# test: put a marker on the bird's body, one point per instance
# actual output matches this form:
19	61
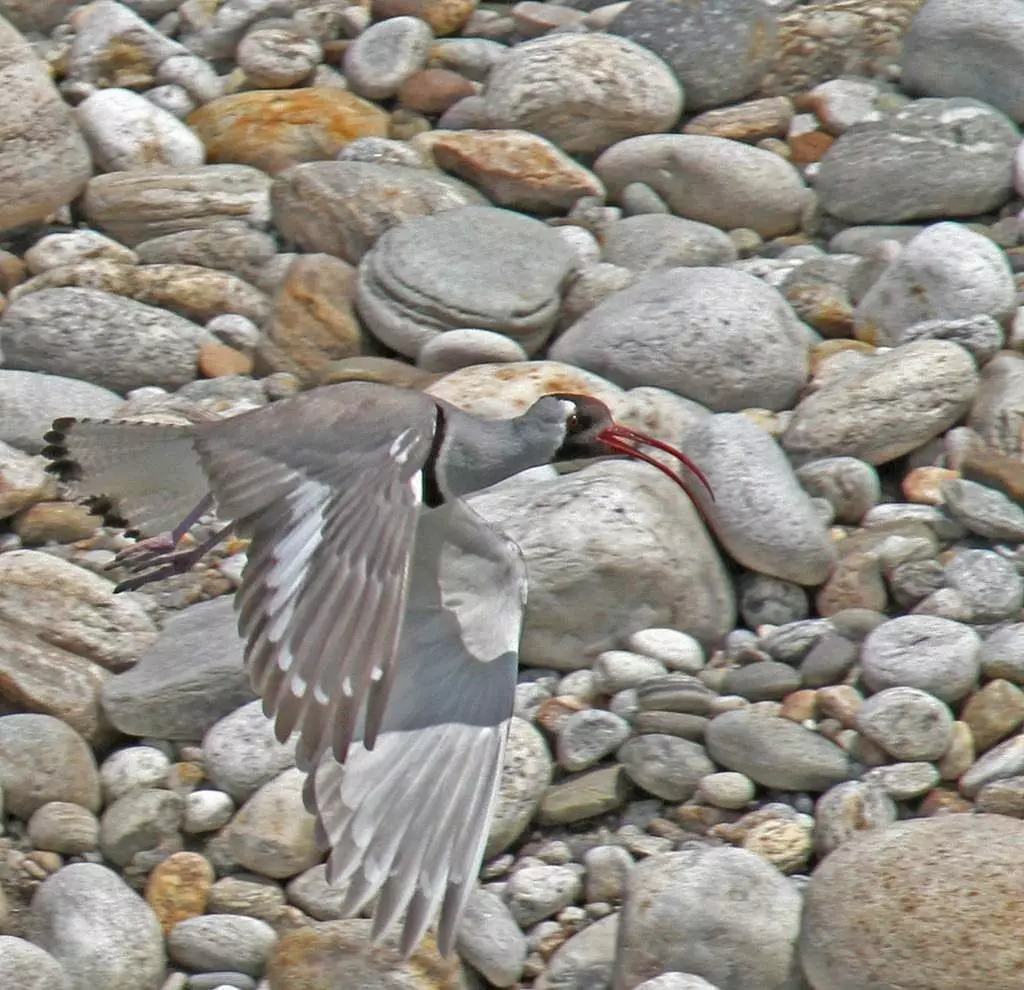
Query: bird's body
381	615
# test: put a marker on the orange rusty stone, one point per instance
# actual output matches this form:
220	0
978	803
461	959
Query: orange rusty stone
924	484
553	713
216	359
809	147
799	706
178	888
432	91
273	129
820	353
750	122
443	16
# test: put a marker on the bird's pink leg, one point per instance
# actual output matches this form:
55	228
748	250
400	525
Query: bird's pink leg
154	547
168	564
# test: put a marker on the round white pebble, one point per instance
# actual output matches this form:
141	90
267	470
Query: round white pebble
676	650
729	790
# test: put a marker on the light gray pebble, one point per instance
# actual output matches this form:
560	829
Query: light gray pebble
727	789
775	752
846	810
676	693
524	780
607	871
385	55
217	981
850	485
102	932
616	670
222	942
904	781
538	892
907	723
193	74
490	940
676	981
277	57
132	768
914	581
588	736
172	99
463	347
935	517
677	650
140	821
983	510
528	699
64	828
885	406
624	703
760	513
670	724
653	242
935	655
311	893
981	335
997	416
768	680
1002	653
791	642
241	753
767	600
639	199
24	966
1003	760
207	811
584	961
666	766
991	586
580	684
236	331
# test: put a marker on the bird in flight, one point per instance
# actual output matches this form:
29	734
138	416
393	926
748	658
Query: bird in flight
380	614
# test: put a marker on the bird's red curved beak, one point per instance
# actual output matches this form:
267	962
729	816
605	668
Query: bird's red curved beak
622	439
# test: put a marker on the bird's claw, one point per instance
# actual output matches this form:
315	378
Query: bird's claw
143	553
166	565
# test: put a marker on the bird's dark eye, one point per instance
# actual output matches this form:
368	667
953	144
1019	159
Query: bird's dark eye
574	424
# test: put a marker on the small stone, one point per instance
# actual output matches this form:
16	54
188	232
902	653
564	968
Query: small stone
993	712
490	940
907	723
768	680
222	942
1002	797
433	91
216	360
676	650
385	55
850	485
1005	759
984	511
846	810
586	795
132	768
617	670
666	766
179	888
904	781
1002	654
607	871
787	845
538	892
64	828
255	897
138	822
728	789
959	757
277	58
588	736
207	811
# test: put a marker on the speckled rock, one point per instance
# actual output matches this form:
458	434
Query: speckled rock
524	777
24	966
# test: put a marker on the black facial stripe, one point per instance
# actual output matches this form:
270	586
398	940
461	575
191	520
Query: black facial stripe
432	496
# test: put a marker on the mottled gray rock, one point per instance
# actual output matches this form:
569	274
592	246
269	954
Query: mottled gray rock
109	340
768	680
467	347
930	158
679	902
99	929
846	810
589	736
647	561
584	795
653	242
857	928
948	51
206	811
909	724
608	868
44	162
385	55
524	778
675	649
997	415
947	272
719	50
343	207
583	92
620	670
760	513
983	510
44	760
851	486
766	600
775	752
981	335
66	828
140	821
241	752
228	245
720	337
1002	653
714	180
131	768
904	781
585	961
24	966
936	655
490	940
476	266
534	893
666	766
828	661
999	763
886	406
990	586
221	942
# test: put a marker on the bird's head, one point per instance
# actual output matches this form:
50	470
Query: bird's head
591	431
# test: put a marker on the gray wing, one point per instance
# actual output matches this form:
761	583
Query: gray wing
145	476
328	487
409	819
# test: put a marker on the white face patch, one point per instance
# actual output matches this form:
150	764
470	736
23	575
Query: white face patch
402	446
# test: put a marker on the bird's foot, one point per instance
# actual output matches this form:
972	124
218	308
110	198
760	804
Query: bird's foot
144	552
164	565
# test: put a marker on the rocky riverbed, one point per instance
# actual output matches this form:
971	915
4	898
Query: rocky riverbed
778	748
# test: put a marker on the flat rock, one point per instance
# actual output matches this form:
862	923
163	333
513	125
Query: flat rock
222	942
490	940
655	241
192	676
693	331
665	766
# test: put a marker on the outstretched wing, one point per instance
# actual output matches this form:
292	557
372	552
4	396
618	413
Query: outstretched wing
328	486
409	819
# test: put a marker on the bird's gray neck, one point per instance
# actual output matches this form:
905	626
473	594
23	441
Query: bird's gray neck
477	453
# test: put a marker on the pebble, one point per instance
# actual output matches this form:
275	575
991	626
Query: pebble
189	678
451	258
524	779
996	414
845	811
276	57
676	650
256	897
654	241
904	781
619	89
534	893
490	940
981	335
467	348
584	795
665	766
760	512
179	888
141	821
133	768
958	152
65	828
221	942
676	693
947	272
98	928
588	736
672	900
676	981
272	834
768	680
24	966
720	53
618	670
727	789
853	933
993	712
687	330
787	845
712	180
990	586
983	510
206	811
850	485
607	869
907	723
1002	654
766	600
385	55
887	406
775	752
1002	797
584	960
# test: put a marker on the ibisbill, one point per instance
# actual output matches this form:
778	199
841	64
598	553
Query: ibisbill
380	614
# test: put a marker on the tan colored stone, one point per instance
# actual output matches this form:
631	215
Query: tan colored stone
799	706
924	484
993	712
553	713
943	801
960	753
787	845
313	321
370	368
275	129
841	702
751	121
997	470
192	291
443	16
178	888
23	480
432	91
44	160
821	353
57	522
514	168
856	582
809	146
215	360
